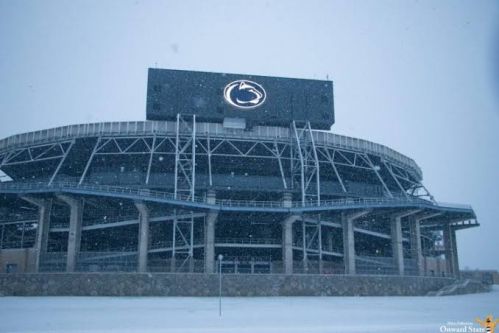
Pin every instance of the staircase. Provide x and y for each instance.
(460, 287)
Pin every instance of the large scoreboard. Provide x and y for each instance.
(255, 100)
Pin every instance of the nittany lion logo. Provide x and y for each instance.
(244, 94)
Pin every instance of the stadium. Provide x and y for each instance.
(241, 166)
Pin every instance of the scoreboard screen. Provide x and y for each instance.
(259, 100)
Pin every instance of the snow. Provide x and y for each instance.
(258, 314)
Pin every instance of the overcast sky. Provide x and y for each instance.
(419, 76)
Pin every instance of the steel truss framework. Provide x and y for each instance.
(39, 153)
(299, 160)
(182, 241)
(301, 163)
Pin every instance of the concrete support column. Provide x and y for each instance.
(209, 234)
(287, 243)
(347, 222)
(75, 221)
(415, 241)
(455, 257)
(348, 244)
(397, 246)
(209, 242)
(451, 259)
(143, 245)
(42, 231)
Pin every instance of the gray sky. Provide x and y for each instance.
(419, 76)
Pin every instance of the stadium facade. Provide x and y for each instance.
(238, 165)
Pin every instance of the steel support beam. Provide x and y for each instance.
(149, 165)
(185, 160)
(368, 159)
(335, 169)
(395, 178)
(61, 162)
(317, 164)
(87, 166)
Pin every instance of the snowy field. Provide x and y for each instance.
(258, 315)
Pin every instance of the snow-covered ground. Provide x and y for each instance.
(258, 315)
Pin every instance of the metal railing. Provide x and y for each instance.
(147, 193)
(214, 130)
(252, 240)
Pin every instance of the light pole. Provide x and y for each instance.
(220, 258)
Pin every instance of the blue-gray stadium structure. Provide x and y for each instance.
(170, 196)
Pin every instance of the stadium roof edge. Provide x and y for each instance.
(214, 129)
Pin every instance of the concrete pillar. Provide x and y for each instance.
(209, 237)
(287, 243)
(42, 232)
(209, 242)
(450, 249)
(397, 246)
(415, 241)
(455, 257)
(347, 222)
(75, 221)
(348, 243)
(143, 245)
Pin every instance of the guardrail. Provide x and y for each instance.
(256, 241)
(214, 130)
(147, 193)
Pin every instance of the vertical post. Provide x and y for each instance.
(143, 246)
(415, 240)
(348, 244)
(75, 221)
(209, 237)
(173, 262)
(193, 153)
(304, 240)
(287, 243)
(348, 221)
(42, 232)
(455, 258)
(209, 247)
(177, 153)
(449, 235)
(397, 246)
(220, 258)
(319, 241)
(208, 148)
(1, 236)
(191, 247)
(277, 154)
